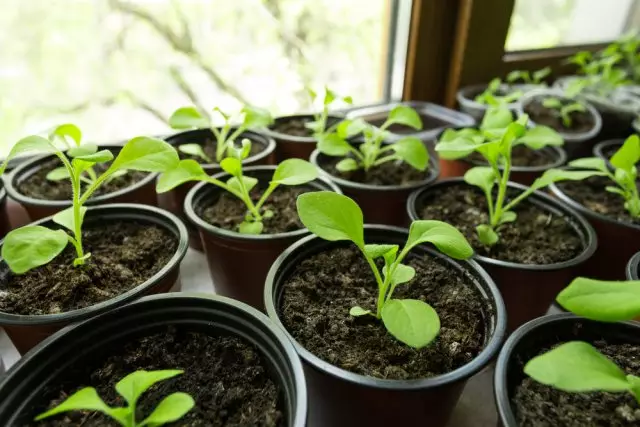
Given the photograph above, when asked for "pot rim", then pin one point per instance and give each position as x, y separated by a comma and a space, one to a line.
491, 348
600, 146
163, 217
633, 267
591, 238
201, 224
432, 169
35, 162
294, 138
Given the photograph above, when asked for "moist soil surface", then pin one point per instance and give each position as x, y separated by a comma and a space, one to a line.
226, 376
227, 211
581, 121
123, 255
591, 194
540, 405
536, 237
523, 156
294, 126
428, 123
210, 147
39, 187
319, 293
389, 173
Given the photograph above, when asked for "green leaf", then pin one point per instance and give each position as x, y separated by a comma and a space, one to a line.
333, 145
377, 251
65, 131
65, 217
540, 74
635, 385
170, 409
251, 227
402, 274
404, 115
101, 156
577, 367
496, 118
487, 235
411, 321
346, 165
358, 311
331, 216
555, 175
615, 190
628, 155
232, 166
351, 127
82, 150
413, 151
553, 103
29, 144
515, 75
194, 150
185, 170
146, 155
133, 385
595, 163
255, 117
188, 118
86, 399
329, 96
32, 246
481, 176
58, 174
294, 172
443, 236
606, 301
508, 216
456, 149
248, 181
541, 136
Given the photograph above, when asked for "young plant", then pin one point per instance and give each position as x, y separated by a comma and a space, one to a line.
34, 245
625, 175
334, 217
535, 78
564, 110
131, 387
289, 172
495, 143
225, 136
577, 366
319, 125
373, 152
490, 95
601, 75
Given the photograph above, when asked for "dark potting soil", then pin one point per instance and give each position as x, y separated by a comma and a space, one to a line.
523, 156
294, 126
610, 150
540, 405
428, 123
591, 194
39, 187
318, 295
389, 173
123, 255
227, 211
226, 376
581, 121
209, 148
536, 237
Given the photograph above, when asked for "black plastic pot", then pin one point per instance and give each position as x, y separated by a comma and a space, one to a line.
27, 331
530, 339
606, 149
380, 204
292, 146
617, 241
173, 200
340, 398
528, 290
467, 103
142, 192
50, 362
5, 226
238, 263
633, 267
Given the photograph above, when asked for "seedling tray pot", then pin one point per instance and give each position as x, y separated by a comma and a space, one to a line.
466, 101
633, 268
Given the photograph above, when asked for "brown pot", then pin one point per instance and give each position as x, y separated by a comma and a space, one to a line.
384, 205
528, 290
142, 192
173, 200
238, 263
291, 146
27, 331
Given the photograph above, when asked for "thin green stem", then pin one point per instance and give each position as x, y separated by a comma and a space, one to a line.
489, 197
502, 191
385, 159
266, 194
221, 141
380, 282
518, 199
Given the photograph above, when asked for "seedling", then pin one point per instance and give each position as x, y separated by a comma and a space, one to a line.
34, 245
335, 217
225, 135
289, 172
319, 126
577, 366
495, 143
131, 387
373, 152
535, 78
564, 110
490, 95
625, 174
601, 75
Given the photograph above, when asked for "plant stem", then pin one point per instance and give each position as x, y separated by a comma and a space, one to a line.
502, 191
380, 282
221, 141
266, 195
385, 159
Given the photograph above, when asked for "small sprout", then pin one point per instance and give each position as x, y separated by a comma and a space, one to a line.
334, 217
191, 118
131, 387
289, 172
319, 125
535, 78
490, 95
564, 110
373, 152
625, 175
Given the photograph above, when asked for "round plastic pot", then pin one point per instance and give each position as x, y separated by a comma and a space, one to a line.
173, 200
142, 192
527, 289
466, 101
604, 147
633, 267
340, 398
49, 363
380, 204
26, 331
238, 263
617, 241
540, 334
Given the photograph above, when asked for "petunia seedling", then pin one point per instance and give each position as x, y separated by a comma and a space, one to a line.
495, 143
625, 174
526, 77
373, 152
34, 245
130, 388
320, 124
564, 110
491, 96
225, 135
289, 172
601, 75
335, 217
